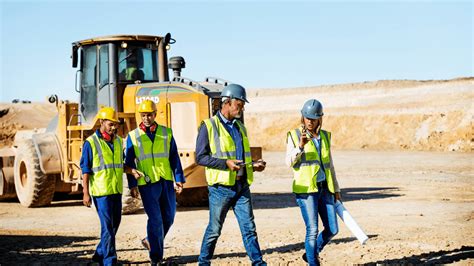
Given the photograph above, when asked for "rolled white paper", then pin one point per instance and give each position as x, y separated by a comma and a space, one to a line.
350, 222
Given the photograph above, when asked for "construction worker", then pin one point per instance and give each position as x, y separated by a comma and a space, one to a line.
314, 179
102, 169
223, 148
156, 153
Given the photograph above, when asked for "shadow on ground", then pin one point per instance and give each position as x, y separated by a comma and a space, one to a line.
290, 248
431, 258
287, 200
44, 250
50, 250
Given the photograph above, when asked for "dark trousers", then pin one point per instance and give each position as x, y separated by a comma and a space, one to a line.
109, 209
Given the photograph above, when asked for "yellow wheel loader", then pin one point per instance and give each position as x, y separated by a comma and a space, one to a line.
118, 71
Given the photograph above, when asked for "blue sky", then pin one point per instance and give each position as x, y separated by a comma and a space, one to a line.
266, 44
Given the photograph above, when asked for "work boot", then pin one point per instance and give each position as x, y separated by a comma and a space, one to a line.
97, 259
306, 259
146, 244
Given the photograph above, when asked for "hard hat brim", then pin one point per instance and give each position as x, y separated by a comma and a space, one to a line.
113, 120
311, 116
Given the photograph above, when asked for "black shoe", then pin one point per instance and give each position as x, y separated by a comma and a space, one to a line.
306, 259
146, 244
97, 259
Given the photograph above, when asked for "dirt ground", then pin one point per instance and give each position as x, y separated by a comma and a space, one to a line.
416, 207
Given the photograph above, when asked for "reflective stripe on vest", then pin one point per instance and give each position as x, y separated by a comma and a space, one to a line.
152, 157
107, 167
223, 147
305, 171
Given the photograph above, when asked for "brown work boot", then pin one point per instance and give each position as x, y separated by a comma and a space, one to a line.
146, 244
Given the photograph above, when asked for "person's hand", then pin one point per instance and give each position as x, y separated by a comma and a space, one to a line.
259, 165
86, 200
134, 192
137, 174
178, 187
232, 164
303, 139
337, 197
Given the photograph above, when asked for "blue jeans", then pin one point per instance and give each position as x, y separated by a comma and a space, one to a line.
159, 202
311, 204
109, 209
221, 199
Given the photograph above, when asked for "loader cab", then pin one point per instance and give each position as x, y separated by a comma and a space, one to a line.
106, 65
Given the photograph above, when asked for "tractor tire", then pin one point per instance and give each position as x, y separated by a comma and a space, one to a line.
193, 197
33, 187
130, 205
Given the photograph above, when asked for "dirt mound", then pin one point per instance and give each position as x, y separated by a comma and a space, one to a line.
21, 116
381, 115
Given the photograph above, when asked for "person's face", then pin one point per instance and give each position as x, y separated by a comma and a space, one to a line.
148, 118
109, 127
312, 124
236, 108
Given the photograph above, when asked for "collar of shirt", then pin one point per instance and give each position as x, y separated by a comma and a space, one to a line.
225, 120
97, 132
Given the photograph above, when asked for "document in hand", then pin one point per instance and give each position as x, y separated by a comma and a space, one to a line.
350, 222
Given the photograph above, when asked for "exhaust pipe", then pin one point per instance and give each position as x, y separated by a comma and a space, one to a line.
176, 63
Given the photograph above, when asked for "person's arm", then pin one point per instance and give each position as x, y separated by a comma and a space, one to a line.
203, 151
130, 166
293, 152
175, 162
333, 174
86, 168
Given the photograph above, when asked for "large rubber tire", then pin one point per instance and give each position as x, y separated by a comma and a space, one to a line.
33, 187
193, 197
130, 204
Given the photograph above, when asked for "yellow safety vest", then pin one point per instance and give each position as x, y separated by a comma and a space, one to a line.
107, 167
223, 147
131, 73
152, 157
305, 171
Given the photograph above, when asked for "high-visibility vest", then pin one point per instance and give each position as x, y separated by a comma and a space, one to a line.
305, 171
107, 167
153, 156
131, 73
223, 147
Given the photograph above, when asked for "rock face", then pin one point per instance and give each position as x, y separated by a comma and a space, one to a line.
382, 115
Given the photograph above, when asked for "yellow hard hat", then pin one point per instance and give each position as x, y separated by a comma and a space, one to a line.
107, 113
147, 106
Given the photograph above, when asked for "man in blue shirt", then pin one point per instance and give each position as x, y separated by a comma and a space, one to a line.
154, 149
102, 168
229, 173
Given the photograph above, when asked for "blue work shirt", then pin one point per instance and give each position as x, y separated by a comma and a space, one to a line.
321, 174
203, 150
175, 162
87, 156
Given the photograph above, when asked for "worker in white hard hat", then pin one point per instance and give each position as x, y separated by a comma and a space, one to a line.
157, 175
315, 185
102, 169
223, 147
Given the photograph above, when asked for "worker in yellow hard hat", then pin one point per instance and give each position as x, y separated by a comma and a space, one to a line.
102, 169
157, 174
